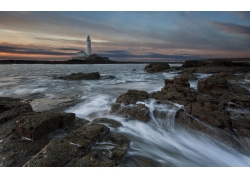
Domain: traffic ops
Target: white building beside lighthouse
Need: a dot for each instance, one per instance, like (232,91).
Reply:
(82,55)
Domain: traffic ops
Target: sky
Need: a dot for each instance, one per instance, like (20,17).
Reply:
(125,35)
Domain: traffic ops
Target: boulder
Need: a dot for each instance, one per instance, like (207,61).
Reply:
(137,111)
(181,81)
(179,94)
(11,108)
(189,76)
(132,96)
(157,67)
(15,151)
(218,85)
(35,125)
(193,63)
(83,76)
(92,145)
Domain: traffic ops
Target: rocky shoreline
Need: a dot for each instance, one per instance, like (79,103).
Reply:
(219,108)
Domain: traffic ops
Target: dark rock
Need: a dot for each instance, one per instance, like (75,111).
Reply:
(11,108)
(157,67)
(186,121)
(212,114)
(91,145)
(106,121)
(214,69)
(15,151)
(35,125)
(189,76)
(181,81)
(82,76)
(158,95)
(193,63)
(108,153)
(132,96)
(137,111)
(179,94)
(218,85)
(168,81)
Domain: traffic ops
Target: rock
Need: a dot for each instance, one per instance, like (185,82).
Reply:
(15,151)
(137,111)
(82,76)
(157,67)
(218,85)
(132,96)
(108,153)
(193,63)
(181,81)
(91,145)
(158,95)
(189,76)
(212,114)
(168,81)
(106,121)
(11,108)
(188,122)
(214,69)
(179,94)
(35,125)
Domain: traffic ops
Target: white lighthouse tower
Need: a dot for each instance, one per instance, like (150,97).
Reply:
(89,51)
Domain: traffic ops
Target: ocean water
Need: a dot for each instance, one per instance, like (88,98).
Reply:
(156,143)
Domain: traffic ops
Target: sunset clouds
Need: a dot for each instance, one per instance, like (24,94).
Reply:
(125,35)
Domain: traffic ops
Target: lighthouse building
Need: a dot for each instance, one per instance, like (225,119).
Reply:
(82,54)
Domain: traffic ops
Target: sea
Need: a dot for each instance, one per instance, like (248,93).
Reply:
(155,144)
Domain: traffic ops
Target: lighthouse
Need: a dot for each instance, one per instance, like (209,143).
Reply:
(89,52)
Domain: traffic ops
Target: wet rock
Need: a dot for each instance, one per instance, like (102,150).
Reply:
(35,125)
(92,145)
(181,81)
(212,114)
(240,99)
(108,153)
(83,76)
(193,63)
(189,76)
(106,121)
(137,111)
(218,85)
(11,108)
(61,151)
(132,96)
(157,67)
(185,120)
(168,81)
(16,151)
(214,69)
(179,94)
(158,95)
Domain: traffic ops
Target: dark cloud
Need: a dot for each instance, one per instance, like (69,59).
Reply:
(233,28)
(151,55)
(24,50)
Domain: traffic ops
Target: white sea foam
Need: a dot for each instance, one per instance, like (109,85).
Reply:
(92,107)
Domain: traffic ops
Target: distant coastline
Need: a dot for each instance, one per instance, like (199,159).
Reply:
(101,61)
(74,62)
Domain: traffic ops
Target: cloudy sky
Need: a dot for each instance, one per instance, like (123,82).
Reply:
(125,36)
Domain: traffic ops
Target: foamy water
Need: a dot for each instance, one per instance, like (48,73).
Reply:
(156,143)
